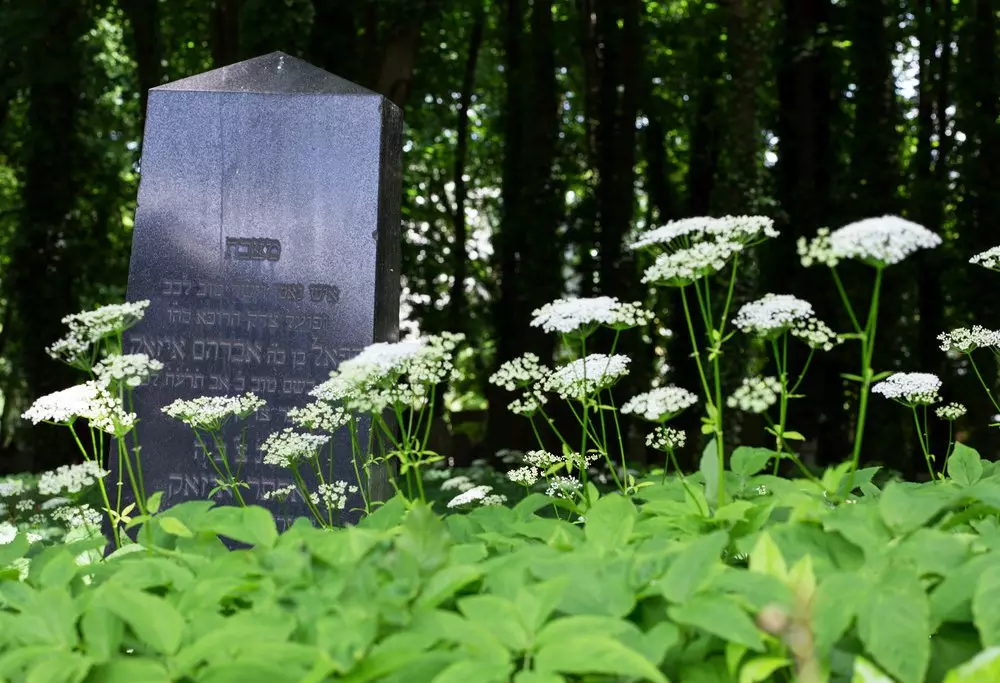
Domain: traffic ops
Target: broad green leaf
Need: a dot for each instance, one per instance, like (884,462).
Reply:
(471,670)
(60,667)
(14,550)
(564,628)
(965,467)
(610,522)
(446,582)
(153,502)
(746,462)
(984,606)
(102,633)
(174,527)
(130,670)
(894,625)
(154,620)
(692,566)
(709,468)
(838,598)
(536,602)
(596,653)
(983,668)
(58,571)
(866,672)
(476,637)
(48,617)
(538,677)
(252,525)
(254,670)
(906,507)
(760,668)
(766,558)
(721,617)
(498,615)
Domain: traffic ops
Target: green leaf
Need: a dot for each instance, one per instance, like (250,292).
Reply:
(746,462)
(153,503)
(154,620)
(906,507)
(983,668)
(766,558)
(60,667)
(965,467)
(498,615)
(761,668)
(866,672)
(985,614)
(538,677)
(564,628)
(596,653)
(471,670)
(14,550)
(610,522)
(894,625)
(793,436)
(693,566)
(103,633)
(709,468)
(174,527)
(837,600)
(252,525)
(241,672)
(719,616)
(130,670)
(58,571)
(446,582)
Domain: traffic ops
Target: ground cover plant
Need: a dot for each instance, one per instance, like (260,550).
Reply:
(576,566)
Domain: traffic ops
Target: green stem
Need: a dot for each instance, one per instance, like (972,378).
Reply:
(923,445)
(986,387)
(868,350)
(101,486)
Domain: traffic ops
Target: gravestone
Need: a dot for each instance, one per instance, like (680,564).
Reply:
(267,240)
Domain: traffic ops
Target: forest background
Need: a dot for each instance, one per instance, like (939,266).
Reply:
(541,135)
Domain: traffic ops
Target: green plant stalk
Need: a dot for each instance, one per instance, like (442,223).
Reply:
(923,444)
(217,439)
(986,387)
(951,446)
(781,361)
(583,424)
(208,454)
(138,454)
(868,350)
(304,492)
(101,486)
(352,429)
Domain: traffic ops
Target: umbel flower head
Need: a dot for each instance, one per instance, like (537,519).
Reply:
(130,369)
(967,340)
(666,439)
(288,447)
(210,413)
(755,394)
(910,388)
(772,314)
(90,401)
(520,372)
(988,259)
(684,266)
(951,411)
(587,376)
(70,478)
(660,404)
(583,316)
(878,242)
(89,327)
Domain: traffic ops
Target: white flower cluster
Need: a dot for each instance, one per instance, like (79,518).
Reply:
(951,411)
(70,478)
(91,326)
(572,315)
(755,394)
(666,438)
(542,459)
(481,495)
(529,404)
(210,413)
(520,372)
(25,505)
(287,447)
(89,401)
(740,229)
(660,404)
(459,483)
(684,266)
(526,476)
(279,494)
(882,241)
(386,374)
(131,369)
(8,532)
(76,517)
(772,314)
(333,496)
(816,333)
(563,487)
(108,414)
(319,416)
(910,388)
(587,376)
(967,340)
(10,487)
(987,259)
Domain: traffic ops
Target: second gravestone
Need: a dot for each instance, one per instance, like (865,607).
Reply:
(267,240)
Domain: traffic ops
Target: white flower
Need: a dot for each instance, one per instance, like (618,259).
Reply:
(684,266)
(92,326)
(951,411)
(493,500)
(62,407)
(459,483)
(911,388)
(522,371)
(333,496)
(528,405)
(816,334)
(108,414)
(755,394)
(55,503)
(987,259)
(659,404)
(76,517)
(25,505)
(966,340)
(570,315)
(212,412)
(7,532)
(773,313)
(879,242)
(526,476)
(563,487)
(320,416)
(287,447)
(817,250)
(70,478)
(130,369)
(666,438)
(586,376)
(279,494)
(741,229)
(541,459)
(11,487)
(473,495)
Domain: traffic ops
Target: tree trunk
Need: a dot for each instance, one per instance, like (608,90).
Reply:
(225,32)
(147,46)
(396,76)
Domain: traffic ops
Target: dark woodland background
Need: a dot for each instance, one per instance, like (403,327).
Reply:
(541,134)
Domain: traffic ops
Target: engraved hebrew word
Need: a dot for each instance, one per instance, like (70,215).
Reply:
(324,293)
(252,249)
(291,291)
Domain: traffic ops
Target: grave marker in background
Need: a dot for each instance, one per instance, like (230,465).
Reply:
(267,240)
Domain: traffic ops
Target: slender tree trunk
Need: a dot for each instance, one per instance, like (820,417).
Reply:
(147,46)
(396,76)
(225,32)
(587,209)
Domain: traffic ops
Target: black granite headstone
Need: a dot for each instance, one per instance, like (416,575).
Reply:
(267,240)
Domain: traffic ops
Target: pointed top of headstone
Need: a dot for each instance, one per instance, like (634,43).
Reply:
(276,73)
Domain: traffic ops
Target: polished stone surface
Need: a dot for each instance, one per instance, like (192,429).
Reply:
(267,239)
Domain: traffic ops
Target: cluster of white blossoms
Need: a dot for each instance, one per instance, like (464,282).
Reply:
(987,259)
(480,495)
(660,404)
(287,447)
(10,487)
(76,517)
(7,532)
(90,401)
(684,266)
(386,374)
(967,340)
(572,315)
(666,438)
(587,376)
(319,416)
(879,242)
(70,478)
(280,494)
(816,333)
(910,388)
(542,459)
(739,229)
(951,411)
(91,326)
(458,483)
(563,487)
(130,369)
(772,314)
(755,394)
(210,413)
(332,496)
(526,476)
(520,372)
